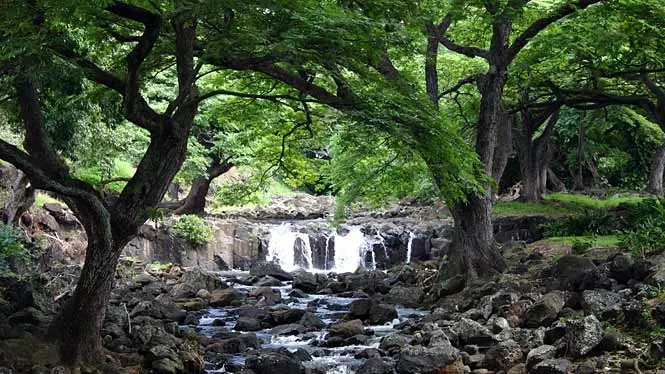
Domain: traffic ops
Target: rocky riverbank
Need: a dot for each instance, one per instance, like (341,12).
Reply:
(550,313)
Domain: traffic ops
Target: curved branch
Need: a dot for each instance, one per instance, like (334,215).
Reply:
(469,51)
(464,81)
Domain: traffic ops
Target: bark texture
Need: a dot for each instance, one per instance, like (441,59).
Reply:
(656,172)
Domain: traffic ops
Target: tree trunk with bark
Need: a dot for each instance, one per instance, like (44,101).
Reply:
(656,172)
(504,148)
(578,184)
(195,202)
(21,197)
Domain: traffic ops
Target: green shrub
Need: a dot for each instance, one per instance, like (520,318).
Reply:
(12,249)
(581,245)
(647,238)
(589,222)
(193,229)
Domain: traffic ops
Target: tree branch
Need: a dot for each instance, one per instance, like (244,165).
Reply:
(542,23)
(464,81)
(468,51)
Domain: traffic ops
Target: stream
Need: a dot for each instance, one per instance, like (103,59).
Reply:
(329,308)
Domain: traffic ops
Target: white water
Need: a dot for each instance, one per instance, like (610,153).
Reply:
(349,250)
(408,247)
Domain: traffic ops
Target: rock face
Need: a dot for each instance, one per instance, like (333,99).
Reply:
(545,311)
(602,303)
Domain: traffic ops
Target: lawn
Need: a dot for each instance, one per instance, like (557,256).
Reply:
(559,204)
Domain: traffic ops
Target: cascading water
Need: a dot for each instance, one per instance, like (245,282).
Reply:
(292,250)
(409,246)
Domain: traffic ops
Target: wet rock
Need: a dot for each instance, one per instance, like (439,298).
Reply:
(305,281)
(504,355)
(472,332)
(196,279)
(203,294)
(545,311)
(247,324)
(298,294)
(368,353)
(266,295)
(602,303)
(284,316)
(422,360)
(407,296)
(583,335)
(360,308)
(539,354)
(159,309)
(271,269)
(373,311)
(346,329)
(226,297)
(376,365)
(311,322)
(273,362)
(552,366)
(167,366)
(289,329)
(392,343)
(267,281)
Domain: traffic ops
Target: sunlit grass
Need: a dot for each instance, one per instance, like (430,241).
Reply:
(560,204)
(44,198)
(596,241)
(591,202)
(515,208)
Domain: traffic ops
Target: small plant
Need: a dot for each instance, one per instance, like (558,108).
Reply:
(159,267)
(580,246)
(647,238)
(193,229)
(12,250)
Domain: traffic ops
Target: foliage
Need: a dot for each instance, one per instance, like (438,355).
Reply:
(193,229)
(12,249)
(588,222)
(645,231)
(581,245)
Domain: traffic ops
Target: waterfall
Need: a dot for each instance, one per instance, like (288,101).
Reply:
(292,250)
(408,247)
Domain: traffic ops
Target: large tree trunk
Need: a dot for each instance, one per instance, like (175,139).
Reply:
(195,202)
(556,184)
(656,172)
(578,184)
(504,147)
(77,327)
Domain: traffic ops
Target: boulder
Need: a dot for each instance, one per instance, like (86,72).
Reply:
(360,308)
(346,329)
(392,343)
(471,332)
(545,311)
(622,268)
(226,297)
(271,269)
(376,365)
(424,360)
(311,322)
(305,281)
(273,362)
(503,356)
(582,336)
(406,296)
(575,273)
(658,312)
(199,279)
(536,355)
(267,281)
(602,303)
(247,324)
(289,329)
(382,313)
(552,366)
(266,295)
(159,309)
(284,316)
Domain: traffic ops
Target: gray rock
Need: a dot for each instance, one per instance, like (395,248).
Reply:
(503,356)
(602,303)
(346,329)
(268,281)
(552,366)
(376,365)
(545,311)
(305,281)
(472,332)
(311,322)
(199,279)
(406,296)
(422,360)
(382,313)
(266,295)
(167,366)
(247,324)
(289,329)
(226,297)
(271,269)
(536,355)
(391,343)
(583,335)
(517,369)
(273,362)
(621,268)
(575,273)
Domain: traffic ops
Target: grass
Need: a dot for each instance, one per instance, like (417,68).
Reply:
(43,198)
(596,241)
(559,204)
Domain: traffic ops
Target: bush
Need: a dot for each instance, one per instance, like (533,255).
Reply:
(580,246)
(589,222)
(12,249)
(193,229)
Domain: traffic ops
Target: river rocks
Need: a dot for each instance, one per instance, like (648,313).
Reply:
(226,297)
(575,273)
(602,303)
(159,309)
(305,281)
(423,360)
(267,281)
(346,329)
(273,362)
(504,355)
(311,322)
(371,310)
(539,354)
(545,311)
(289,329)
(552,366)
(376,365)
(471,332)
(392,343)
(266,296)
(284,316)
(583,335)
(193,281)
(247,324)
(268,268)
(406,296)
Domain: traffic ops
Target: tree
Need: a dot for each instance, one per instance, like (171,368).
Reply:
(109,224)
